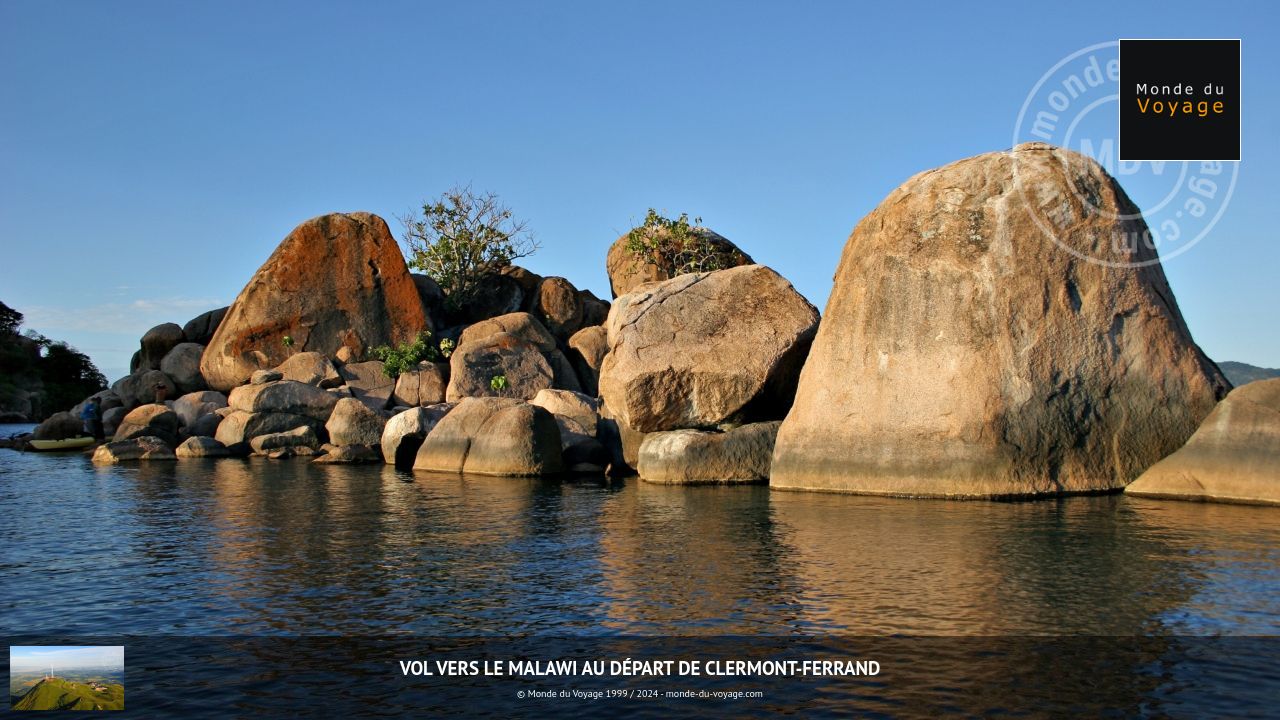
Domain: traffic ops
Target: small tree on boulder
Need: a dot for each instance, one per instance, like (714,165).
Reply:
(462,238)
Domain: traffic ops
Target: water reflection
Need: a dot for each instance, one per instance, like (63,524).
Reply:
(209,547)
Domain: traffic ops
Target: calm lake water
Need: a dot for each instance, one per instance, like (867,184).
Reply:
(259,547)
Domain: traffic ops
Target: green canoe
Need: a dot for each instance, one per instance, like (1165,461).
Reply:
(68,444)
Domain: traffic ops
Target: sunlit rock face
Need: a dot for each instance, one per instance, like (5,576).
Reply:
(964,353)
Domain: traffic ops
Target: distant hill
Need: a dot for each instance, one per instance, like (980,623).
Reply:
(60,694)
(1240,373)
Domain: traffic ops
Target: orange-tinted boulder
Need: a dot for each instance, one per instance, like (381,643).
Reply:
(336,281)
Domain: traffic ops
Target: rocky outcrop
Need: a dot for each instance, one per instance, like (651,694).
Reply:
(200,329)
(182,366)
(138,448)
(964,353)
(353,423)
(156,343)
(474,365)
(284,396)
(201,447)
(1234,456)
(337,281)
(403,434)
(150,421)
(424,385)
(493,436)
(627,270)
(699,457)
(368,383)
(705,349)
(311,368)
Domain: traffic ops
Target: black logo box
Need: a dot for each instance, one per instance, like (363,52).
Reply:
(1180,65)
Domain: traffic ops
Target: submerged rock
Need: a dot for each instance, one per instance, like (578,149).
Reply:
(138,448)
(405,432)
(353,423)
(965,354)
(687,457)
(337,282)
(201,447)
(493,436)
(1233,457)
(704,349)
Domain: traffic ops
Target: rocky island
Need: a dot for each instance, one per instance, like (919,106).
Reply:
(961,355)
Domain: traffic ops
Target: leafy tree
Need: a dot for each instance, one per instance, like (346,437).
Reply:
(678,246)
(461,238)
(32,362)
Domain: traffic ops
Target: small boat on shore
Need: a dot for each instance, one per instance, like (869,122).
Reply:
(54,445)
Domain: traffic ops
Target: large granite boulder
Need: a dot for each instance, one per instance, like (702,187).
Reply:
(111,420)
(1233,457)
(627,270)
(582,410)
(312,368)
(284,396)
(152,420)
(705,349)
(404,433)
(156,343)
(520,324)
(424,385)
(200,329)
(241,427)
(368,383)
(138,448)
(201,447)
(474,365)
(182,366)
(695,457)
(594,310)
(964,353)
(493,436)
(559,305)
(337,281)
(141,387)
(496,294)
(193,406)
(587,349)
(298,437)
(59,426)
(354,423)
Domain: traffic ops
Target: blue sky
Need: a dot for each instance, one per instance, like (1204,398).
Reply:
(152,154)
(64,657)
